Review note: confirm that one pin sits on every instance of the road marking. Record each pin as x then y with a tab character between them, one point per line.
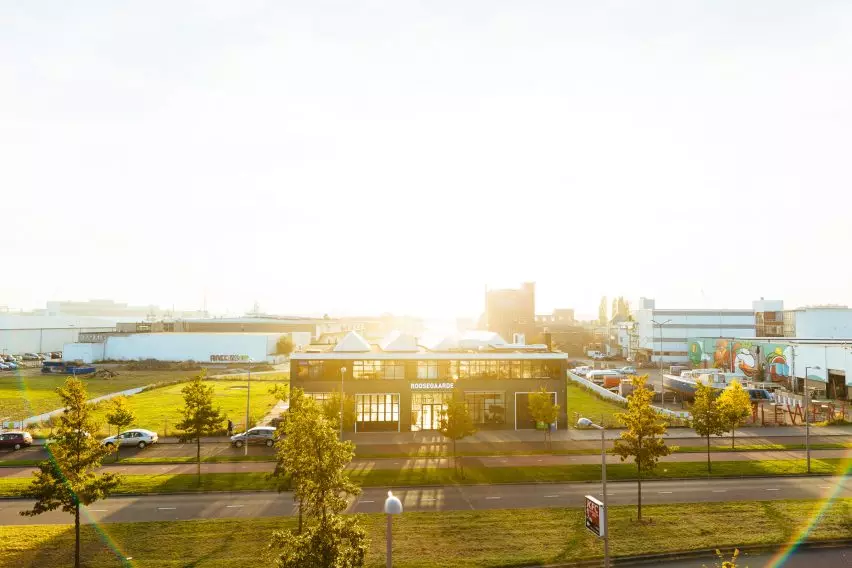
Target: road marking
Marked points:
492	497
97	510
821	487
720	491
166	508
233	506
662	492
365	501
772	489
550	496
428	499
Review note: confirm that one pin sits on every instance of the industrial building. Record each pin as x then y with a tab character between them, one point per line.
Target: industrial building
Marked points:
199	347
510	311
401	385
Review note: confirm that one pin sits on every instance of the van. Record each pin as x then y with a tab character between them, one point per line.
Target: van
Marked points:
607	379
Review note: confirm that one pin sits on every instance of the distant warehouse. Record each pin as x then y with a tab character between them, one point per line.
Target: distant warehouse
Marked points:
201	347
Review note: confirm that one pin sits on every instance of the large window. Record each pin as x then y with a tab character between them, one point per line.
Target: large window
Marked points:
486	407
376	412
507	369
320	397
378	369
427	369
311	369
393	370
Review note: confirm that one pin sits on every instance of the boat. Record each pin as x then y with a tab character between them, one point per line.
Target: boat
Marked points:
66	368
685	384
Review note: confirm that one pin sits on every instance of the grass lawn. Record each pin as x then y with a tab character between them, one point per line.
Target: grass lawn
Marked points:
465	539
582	402
159	409
30	392
257	481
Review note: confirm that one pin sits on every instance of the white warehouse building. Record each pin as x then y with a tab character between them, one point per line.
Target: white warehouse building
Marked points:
199	347
664	334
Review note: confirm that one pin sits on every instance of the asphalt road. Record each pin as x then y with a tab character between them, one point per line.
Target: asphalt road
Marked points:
817	558
473	497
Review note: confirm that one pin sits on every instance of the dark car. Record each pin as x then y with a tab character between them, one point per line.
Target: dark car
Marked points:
15	440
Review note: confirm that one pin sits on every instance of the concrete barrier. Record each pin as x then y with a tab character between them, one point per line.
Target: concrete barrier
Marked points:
597	389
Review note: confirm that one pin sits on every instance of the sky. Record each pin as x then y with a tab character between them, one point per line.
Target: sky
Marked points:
368	157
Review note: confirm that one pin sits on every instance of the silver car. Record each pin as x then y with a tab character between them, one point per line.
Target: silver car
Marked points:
139	438
263	435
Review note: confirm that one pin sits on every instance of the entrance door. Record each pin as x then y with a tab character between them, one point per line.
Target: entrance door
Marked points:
426	410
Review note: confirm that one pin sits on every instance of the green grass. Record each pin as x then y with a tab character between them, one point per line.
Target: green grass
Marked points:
454	539
258	481
583	402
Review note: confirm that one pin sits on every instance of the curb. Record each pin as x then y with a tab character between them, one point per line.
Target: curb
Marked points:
645	559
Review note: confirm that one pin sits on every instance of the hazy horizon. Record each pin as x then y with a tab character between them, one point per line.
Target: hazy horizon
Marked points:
398	157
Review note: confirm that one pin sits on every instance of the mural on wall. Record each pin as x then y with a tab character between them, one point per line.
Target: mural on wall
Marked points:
743	357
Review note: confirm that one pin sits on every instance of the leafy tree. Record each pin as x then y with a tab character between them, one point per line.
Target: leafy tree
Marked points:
456	424
706	416
642	437
331	410
200	418
313	461
543	410
119	414
735	407
284	346
68	478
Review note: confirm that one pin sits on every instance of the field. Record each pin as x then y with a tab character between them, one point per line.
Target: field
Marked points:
582	402
29	393
464	539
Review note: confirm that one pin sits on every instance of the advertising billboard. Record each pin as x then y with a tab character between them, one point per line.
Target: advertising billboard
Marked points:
595	516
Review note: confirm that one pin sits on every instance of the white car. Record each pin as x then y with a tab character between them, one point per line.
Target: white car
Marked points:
139	438
581	370
629	370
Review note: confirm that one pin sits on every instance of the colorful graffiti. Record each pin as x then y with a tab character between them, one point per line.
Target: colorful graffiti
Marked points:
743	357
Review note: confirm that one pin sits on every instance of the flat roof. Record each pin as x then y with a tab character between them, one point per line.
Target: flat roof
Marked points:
426	356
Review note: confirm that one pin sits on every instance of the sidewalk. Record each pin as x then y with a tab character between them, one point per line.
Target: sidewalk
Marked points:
426	463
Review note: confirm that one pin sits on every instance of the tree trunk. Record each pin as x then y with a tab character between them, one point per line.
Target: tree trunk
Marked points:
77	534
639	511
300	516
709	467
733	437
198	456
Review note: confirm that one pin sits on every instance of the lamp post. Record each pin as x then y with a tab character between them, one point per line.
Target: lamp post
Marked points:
807	422
662	388
585	422
342	373
393	506
248	399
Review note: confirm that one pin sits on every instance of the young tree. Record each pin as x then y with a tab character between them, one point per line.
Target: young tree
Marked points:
331	410
456	424
200	418
119	414
735	408
314	460
706	416
543	410
68	478
284	345
642	437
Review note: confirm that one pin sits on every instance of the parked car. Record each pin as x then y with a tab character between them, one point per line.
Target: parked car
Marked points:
604	377
12	365
15	440
582	370
7	358
5	367
138	437
760	395
263	435
56	355
629	370
31	357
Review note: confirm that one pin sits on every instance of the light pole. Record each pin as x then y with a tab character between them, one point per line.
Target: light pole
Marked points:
248	398
662	388
807	422
342	373
585	422
393	506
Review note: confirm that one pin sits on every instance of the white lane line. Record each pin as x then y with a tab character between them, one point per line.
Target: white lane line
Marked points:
493	497
773	489
550	496
97	510
233	506
720	491
428	499
365	501
166	508
663	492
826	486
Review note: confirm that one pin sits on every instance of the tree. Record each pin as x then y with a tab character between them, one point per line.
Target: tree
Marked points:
119	414
314	461
706	416
284	346
456	424
735	408
543	410
200	418
331	410
68	478
642	437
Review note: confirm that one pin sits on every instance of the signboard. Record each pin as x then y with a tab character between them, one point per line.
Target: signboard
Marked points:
595	516
432	386
229	358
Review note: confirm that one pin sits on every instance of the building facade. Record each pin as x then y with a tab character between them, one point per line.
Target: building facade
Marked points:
511	311
403	387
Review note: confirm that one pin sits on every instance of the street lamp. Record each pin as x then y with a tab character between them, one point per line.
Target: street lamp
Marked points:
248	398
586	423
393	506
807	422
662	388
342	373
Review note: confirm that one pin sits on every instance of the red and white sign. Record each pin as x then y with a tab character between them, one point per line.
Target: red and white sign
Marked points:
595	516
